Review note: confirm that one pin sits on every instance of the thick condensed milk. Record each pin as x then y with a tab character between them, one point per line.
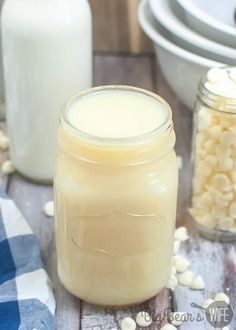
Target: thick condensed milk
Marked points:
115	192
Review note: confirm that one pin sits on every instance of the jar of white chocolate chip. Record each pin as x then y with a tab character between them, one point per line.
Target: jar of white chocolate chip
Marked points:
213	202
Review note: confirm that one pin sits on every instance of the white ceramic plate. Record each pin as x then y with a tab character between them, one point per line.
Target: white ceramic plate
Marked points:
214	19
168	13
182	69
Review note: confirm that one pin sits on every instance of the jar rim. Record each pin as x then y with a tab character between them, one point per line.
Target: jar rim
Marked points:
214	100
65	123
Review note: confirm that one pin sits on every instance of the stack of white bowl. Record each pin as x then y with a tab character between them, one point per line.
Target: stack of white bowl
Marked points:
190	36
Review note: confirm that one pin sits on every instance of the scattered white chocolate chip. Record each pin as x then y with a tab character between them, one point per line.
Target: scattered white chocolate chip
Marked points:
8	167
143	319
168	327
197	283
49	209
181	264
186	278
128	324
216	75
222	297
176	246
180	162
177	318
207	303
181	234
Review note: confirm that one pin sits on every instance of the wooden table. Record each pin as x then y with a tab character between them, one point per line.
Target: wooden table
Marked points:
214	261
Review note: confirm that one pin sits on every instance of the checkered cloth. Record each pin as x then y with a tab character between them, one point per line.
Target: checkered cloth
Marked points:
26	298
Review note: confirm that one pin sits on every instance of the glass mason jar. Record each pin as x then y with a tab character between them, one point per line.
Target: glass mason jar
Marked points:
213	203
115	209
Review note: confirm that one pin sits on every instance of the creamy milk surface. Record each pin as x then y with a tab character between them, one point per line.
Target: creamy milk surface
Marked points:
117	114
115	203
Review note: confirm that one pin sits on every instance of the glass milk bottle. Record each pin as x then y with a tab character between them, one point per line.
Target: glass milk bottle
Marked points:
213	204
115	192
47	52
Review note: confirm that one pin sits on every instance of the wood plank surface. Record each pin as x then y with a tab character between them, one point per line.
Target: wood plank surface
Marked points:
119	17
216	262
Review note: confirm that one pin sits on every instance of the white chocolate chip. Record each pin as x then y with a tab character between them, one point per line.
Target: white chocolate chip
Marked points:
215	131
204	168
206	199
233	176
176	246
181	264
168	327
228	196
143	319
204	119
206	220
210	145
212	160
211	87
221	181
177	318
8	167
222	297
207	303
226	164
49	209
226	223
227	138
216	75
218	212
232	210
4	142
222	151
197	283
128	324
186	278
181	234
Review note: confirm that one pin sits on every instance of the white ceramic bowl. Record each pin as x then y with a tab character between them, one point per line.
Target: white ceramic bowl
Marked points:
214	19
182	69
170	16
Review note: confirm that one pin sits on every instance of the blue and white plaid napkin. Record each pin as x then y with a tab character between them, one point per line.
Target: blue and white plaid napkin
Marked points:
26	297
